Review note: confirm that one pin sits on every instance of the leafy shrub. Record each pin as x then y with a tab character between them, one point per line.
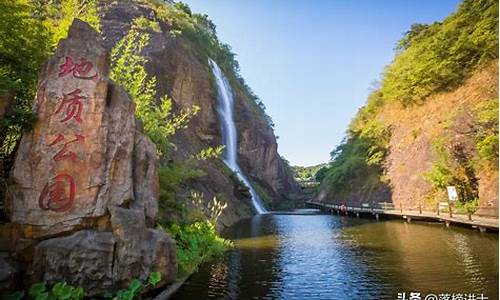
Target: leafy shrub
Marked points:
64	291
321	174
451	167
58	16
472	205
60	291
128	71
29	33
440	175
486	133
198	240
209	153
24	45
172	176
201	210
306	173
136	286
467	207
361	154
196	243
184	7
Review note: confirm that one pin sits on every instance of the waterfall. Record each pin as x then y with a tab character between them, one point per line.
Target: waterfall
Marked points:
230	136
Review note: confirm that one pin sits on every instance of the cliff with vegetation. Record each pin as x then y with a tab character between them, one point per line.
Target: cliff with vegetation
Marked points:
177	56
431	123
132	81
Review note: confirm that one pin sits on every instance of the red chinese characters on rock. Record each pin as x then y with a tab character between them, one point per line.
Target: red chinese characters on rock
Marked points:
81	70
58	194
73	104
64	153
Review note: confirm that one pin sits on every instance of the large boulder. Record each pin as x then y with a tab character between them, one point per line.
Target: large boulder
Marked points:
84	187
60	171
102	261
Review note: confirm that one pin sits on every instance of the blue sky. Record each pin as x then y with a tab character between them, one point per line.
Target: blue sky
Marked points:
312	62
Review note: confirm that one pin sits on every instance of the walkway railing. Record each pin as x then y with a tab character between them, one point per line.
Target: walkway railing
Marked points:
441	213
308	183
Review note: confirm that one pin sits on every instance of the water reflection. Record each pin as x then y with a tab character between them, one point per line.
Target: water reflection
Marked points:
332	257
310	256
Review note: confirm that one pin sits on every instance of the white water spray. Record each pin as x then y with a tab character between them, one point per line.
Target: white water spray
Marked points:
225	111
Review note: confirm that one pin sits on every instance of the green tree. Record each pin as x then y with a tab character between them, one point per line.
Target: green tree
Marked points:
321	174
437	57
486	133
58	16
128	70
183	7
411	36
23	48
29	32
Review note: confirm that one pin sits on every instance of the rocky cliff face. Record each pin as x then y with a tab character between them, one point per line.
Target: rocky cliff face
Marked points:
258	153
448	116
185	76
84	187
445	116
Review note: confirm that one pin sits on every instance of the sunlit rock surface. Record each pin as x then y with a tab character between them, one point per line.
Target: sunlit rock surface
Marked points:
84	187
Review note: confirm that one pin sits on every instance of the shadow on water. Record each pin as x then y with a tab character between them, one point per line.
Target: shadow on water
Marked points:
317	256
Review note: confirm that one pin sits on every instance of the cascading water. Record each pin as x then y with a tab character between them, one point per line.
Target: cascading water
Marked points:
225	111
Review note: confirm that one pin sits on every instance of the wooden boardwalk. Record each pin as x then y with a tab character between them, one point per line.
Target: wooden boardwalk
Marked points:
481	223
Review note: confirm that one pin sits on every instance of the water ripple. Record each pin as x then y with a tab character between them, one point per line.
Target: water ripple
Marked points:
331	257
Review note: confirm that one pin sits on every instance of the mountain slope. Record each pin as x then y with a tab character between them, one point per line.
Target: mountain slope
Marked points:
432	123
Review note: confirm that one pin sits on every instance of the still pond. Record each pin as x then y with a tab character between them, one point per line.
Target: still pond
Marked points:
316	256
